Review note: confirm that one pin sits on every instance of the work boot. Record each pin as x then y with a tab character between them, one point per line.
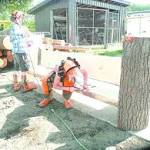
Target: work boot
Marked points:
27	86
44	102
68	104
16	85
24	79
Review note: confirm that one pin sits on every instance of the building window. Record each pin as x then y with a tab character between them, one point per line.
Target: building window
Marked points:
90	26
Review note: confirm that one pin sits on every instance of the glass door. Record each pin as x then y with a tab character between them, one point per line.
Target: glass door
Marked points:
60	24
91	26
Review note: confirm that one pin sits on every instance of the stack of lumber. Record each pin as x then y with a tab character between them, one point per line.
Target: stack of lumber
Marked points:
61	45
78	49
47	40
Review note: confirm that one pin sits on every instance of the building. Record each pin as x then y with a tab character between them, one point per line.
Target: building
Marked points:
81	22
138	23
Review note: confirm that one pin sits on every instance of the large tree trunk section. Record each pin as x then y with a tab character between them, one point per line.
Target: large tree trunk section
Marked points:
5	42
134	95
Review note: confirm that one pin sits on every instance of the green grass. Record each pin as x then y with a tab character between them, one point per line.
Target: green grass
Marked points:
114	53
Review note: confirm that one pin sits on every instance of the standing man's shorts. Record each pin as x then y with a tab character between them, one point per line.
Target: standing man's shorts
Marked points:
21	62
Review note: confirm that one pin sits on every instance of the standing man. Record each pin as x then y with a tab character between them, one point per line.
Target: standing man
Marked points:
19	36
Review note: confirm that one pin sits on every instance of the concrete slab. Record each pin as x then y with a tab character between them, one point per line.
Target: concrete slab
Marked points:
105	88
91	106
104	91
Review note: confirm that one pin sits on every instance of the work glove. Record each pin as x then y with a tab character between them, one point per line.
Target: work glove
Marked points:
85	89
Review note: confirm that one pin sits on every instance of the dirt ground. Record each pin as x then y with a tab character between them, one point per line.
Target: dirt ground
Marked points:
25	126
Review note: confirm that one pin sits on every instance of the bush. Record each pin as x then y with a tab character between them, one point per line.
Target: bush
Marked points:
30	25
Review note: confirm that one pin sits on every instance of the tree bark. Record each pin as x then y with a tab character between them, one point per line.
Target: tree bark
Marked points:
134	94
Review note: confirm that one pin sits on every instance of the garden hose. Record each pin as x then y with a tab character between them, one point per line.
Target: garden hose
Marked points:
81	145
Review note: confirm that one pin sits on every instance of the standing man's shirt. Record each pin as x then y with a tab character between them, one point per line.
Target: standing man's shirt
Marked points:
18	38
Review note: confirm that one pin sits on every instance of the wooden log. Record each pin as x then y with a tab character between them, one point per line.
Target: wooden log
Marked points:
58	42
3	62
68	44
47	47
1	54
9	56
61	48
133	111
5	42
47	40
78	49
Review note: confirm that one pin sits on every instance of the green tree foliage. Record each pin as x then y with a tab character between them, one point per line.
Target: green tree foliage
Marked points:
7	6
30	24
137	7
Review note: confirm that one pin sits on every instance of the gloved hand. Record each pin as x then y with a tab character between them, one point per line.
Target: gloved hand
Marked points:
85	89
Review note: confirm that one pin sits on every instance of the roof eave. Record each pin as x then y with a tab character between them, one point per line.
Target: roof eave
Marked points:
38	6
42	4
123	2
